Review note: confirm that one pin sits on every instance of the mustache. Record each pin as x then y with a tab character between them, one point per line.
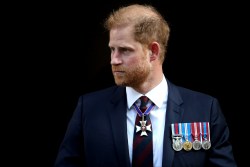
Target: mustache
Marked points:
116	68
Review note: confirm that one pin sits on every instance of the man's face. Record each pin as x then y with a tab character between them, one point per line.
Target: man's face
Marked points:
130	62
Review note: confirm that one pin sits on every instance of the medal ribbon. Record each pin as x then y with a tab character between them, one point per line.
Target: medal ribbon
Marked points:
195	130
146	112
180	131
176	129
206	131
173	129
186	131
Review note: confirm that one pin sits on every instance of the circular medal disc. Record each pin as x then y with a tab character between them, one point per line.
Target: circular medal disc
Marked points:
197	145
177	145
206	145
187	145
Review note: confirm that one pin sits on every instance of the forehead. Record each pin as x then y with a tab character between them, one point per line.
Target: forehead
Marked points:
121	34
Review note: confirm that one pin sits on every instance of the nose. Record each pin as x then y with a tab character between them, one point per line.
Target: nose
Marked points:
115	58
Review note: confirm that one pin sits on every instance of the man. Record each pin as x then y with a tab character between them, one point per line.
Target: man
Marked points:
110	128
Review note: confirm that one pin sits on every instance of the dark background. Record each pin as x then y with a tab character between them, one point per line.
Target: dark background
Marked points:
59	50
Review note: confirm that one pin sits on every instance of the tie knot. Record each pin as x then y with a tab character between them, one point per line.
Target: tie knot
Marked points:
144	101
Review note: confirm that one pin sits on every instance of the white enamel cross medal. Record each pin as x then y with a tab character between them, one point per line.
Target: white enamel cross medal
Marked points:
144	127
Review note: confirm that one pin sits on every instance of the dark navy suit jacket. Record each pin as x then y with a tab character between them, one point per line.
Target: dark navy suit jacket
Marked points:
97	133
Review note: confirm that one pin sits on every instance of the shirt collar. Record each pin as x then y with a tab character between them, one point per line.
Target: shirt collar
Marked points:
158	95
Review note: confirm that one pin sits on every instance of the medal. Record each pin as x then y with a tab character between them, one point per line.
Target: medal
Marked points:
176	136
187	145
177	143
196	135
206	144
196	145
144	127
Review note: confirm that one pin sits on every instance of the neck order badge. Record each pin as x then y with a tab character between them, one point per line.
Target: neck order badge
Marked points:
143	112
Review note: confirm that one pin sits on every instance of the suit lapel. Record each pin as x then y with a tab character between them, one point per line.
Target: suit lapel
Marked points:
173	114
117	109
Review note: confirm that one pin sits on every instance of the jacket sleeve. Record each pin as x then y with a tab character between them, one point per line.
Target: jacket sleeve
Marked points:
71	152
221	153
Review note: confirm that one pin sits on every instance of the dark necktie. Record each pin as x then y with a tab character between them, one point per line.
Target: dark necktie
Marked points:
143	143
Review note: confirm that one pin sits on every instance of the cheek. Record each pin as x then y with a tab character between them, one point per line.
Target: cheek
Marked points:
139	59
132	61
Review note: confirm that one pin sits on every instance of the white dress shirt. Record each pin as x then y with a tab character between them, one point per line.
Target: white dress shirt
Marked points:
158	96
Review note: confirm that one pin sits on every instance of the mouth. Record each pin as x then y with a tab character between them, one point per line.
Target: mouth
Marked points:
118	73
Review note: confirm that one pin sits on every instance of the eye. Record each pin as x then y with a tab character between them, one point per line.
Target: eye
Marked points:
124	50
112	49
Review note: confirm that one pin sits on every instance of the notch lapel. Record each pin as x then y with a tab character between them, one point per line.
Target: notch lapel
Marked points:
173	114
117	110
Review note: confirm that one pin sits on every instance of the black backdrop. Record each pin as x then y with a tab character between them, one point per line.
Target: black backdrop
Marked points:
61	52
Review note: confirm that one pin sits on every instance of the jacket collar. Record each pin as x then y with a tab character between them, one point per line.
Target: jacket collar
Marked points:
118	117
173	114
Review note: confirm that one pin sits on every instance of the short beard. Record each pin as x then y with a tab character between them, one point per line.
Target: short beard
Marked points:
133	77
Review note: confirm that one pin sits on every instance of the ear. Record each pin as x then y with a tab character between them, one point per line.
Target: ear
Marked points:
154	51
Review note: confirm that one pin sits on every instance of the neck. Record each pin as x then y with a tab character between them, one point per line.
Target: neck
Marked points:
152	81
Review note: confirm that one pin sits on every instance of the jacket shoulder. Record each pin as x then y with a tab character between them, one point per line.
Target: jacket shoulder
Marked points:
103	93
189	92
186	94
